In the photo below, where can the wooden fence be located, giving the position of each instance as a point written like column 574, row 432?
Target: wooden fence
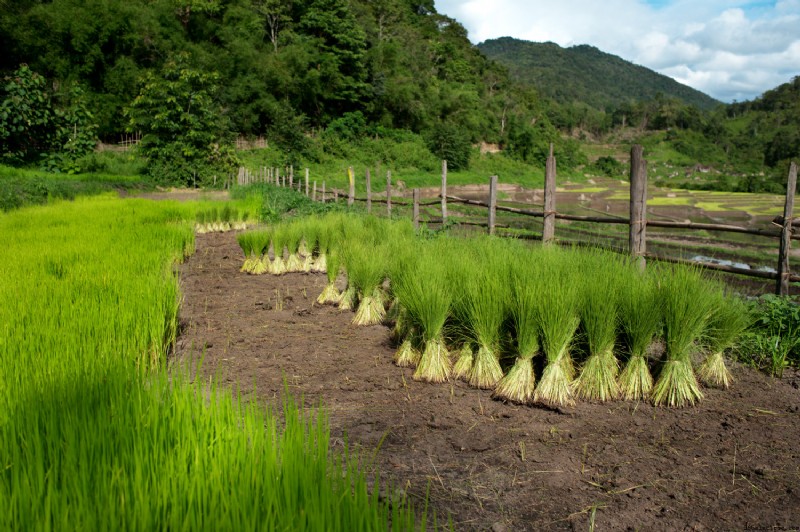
column 785, row 228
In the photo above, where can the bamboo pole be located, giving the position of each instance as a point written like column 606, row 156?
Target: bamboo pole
column 444, row 191
column 369, row 192
column 352, row 194
column 782, row 285
column 492, row 203
column 549, row 229
column 638, row 204
column 389, row 193
column 415, row 195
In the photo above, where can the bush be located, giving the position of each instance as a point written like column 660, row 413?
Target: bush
column 772, row 342
column 451, row 143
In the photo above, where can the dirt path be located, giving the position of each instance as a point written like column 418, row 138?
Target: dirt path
column 732, row 463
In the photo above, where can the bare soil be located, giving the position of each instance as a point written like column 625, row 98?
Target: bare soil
column 731, row 463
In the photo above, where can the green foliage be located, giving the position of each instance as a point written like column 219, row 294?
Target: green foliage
column 608, row 166
column 183, row 127
column 773, row 340
column 37, row 124
column 451, row 143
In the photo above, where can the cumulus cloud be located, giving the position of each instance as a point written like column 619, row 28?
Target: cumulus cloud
column 727, row 49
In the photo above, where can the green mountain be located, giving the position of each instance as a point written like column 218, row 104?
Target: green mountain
column 585, row 74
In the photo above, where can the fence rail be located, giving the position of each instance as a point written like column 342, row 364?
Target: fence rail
column 785, row 227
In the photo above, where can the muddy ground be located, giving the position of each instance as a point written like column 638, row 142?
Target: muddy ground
column 731, row 463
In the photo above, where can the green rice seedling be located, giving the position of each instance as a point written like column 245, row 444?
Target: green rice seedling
column 325, row 235
column 367, row 273
column 729, row 320
column 277, row 266
column 225, row 218
column 212, row 220
column 294, row 236
column 485, row 304
column 424, row 293
column 463, row 365
column 557, row 312
column 330, row 294
column 688, row 304
column 200, row 223
column 261, row 245
column 640, row 319
column 519, row 383
column 598, row 313
column 247, row 242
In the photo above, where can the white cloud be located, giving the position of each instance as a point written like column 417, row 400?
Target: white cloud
column 728, row 49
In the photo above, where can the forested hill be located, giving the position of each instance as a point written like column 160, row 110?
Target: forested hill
column 301, row 62
column 585, row 74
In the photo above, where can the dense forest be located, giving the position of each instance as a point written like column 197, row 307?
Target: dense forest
column 315, row 75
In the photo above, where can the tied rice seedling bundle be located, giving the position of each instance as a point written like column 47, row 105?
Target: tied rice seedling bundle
column 277, row 266
column 349, row 297
column 727, row 323
column 225, row 218
column 598, row 313
column 211, row 221
column 330, row 294
column 247, row 242
column 294, row 236
column 200, row 223
column 640, row 319
column 519, row 383
column 262, row 240
column 367, row 273
column 557, row 312
column 425, row 294
column 324, row 237
column 458, row 324
column 485, row 304
column 688, row 303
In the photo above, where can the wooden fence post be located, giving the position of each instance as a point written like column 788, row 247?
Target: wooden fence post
column 389, row 193
column 369, row 192
column 492, row 203
column 351, row 197
column 444, row 191
column 335, row 195
column 638, row 204
column 549, row 219
column 291, row 176
column 306, row 182
column 415, row 195
column 782, row 286
column 323, row 192
column 314, row 195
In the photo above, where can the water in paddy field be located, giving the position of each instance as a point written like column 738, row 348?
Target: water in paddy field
column 610, row 198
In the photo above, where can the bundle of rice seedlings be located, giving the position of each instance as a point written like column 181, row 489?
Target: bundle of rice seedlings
column 294, row 236
column 200, row 223
column 688, row 303
column 409, row 353
column 463, row 365
column 728, row 321
column 519, row 383
column 330, row 294
column 485, row 303
column 558, row 319
column 325, row 235
column 261, row 246
column 424, row 293
column 212, row 217
column 225, row 218
column 247, row 241
column 349, row 298
column 277, row 266
column 367, row 273
column 598, row 313
column 639, row 320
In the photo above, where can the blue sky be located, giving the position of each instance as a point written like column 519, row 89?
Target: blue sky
column 731, row 50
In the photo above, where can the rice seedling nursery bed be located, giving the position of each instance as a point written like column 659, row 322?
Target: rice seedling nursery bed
column 729, row 462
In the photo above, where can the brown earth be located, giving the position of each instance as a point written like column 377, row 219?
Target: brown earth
column 731, row 463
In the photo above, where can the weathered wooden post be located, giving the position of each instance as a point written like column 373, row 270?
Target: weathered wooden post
column 314, row 195
column 415, row 195
column 549, row 219
column 782, row 286
column 291, row 176
column 351, row 196
column 323, row 192
column 306, row 182
column 389, row 193
column 444, row 191
column 492, row 203
column 638, row 207
column 369, row 192
column 335, row 195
